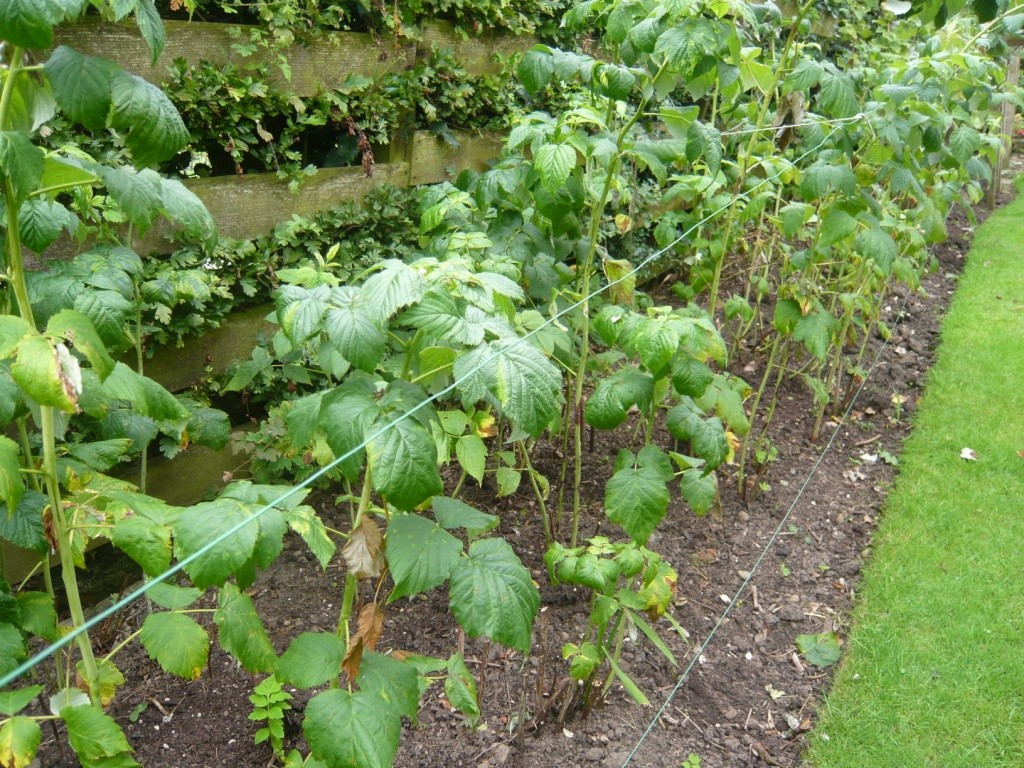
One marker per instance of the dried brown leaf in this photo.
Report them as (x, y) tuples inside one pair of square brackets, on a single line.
[(370, 625), (364, 551)]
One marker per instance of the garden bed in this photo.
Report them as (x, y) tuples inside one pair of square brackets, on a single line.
[(750, 697)]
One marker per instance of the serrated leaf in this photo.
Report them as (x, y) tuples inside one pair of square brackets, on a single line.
[(710, 442), (209, 427), (108, 679), (67, 697), (515, 377), (609, 403), (637, 499), (172, 597), (421, 555), (351, 729), (240, 631), (151, 27), (38, 614), (393, 287), (40, 223), (535, 70), (79, 331), (312, 659), (148, 543), (690, 377), (493, 595), (440, 316), (452, 514), (403, 465), (460, 688), (142, 113), (353, 328), (806, 74), (12, 330), (472, 455), (146, 397), (345, 421), (364, 551), (11, 484), (614, 81), (554, 163), (836, 225), (304, 521), (815, 331), (12, 702), (202, 524), (93, 734), (837, 96), (109, 313), (21, 162), (184, 208), (877, 245), (699, 490), (176, 643), (136, 192), (81, 85), (48, 374), (964, 142), (25, 527), (13, 648), (19, 741)]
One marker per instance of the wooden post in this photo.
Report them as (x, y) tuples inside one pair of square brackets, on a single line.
[(1009, 114)]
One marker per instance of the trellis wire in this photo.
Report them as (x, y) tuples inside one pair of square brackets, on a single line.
[(771, 541), (141, 590)]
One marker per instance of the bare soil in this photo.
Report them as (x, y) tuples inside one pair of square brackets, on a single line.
[(750, 699)]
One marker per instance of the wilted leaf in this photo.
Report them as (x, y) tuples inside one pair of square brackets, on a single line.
[(363, 552), (821, 650)]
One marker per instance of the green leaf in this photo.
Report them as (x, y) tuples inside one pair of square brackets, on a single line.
[(13, 649), (710, 443), (47, 374), (79, 331), (312, 659), (109, 313), (107, 680), (460, 689), (838, 97), (137, 193), (28, 23), (614, 81), (58, 172), (353, 327), (81, 85), (440, 316), (93, 734), (836, 225), (515, 377), (345, 421), (304, 521), (146, 542), (609, 404), (351, 729), (699, 490), (12, 702), (11, 485), (25, 527), (535, 70), (472, 456), (403, 465), (493, 595), (12, 330), (184, 207), (452, 514), (877, 245), (636, 499), (300, 311), (806, 74), (508, 480), (821, 178), (421, 555), (964, 142), (38, 614), (554, 163), (19, 741), (151, 27), (392, 681), (172, 597), (240, 631), (209, 427), (142, 113), (203, 523), (396, 285), (40, 223), (815, 331), (690, 377), (821, 650), (21, 162), (146, 397), (176, 643)]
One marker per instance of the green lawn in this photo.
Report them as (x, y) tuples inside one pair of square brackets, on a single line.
[(933, 673)]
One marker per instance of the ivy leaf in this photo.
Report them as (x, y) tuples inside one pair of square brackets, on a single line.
[(312, 659), (636, 498), (205, 522), (176, 643), (609, 404), (452, 514), (21, 162), (515, 377), (142, 113), (421, 555), (396, 285), (403, 465), (699, 490), (353, 328), (40, 223), (93, 734), (493, 595), (81, 85), (19, 741), (28, 23), (241, 632), (554, 163), (77, 329), (12, 487), (351, 729), (25, 527), (535, 70)]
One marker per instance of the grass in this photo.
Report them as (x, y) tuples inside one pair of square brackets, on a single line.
[(934, 667)]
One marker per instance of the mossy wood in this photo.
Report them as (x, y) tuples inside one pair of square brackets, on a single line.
[(434, 160), (321, 64), (479, 54)]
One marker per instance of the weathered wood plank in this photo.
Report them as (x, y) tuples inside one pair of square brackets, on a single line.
[(178, 368), (434, 161), (479, 54), (324, 63)]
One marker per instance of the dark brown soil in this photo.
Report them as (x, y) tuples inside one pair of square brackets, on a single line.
[(750, 698)]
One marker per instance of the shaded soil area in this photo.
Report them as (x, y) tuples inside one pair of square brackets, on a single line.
[(750, 697)]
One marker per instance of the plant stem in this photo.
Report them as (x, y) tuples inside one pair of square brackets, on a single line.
[(545, 519)]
